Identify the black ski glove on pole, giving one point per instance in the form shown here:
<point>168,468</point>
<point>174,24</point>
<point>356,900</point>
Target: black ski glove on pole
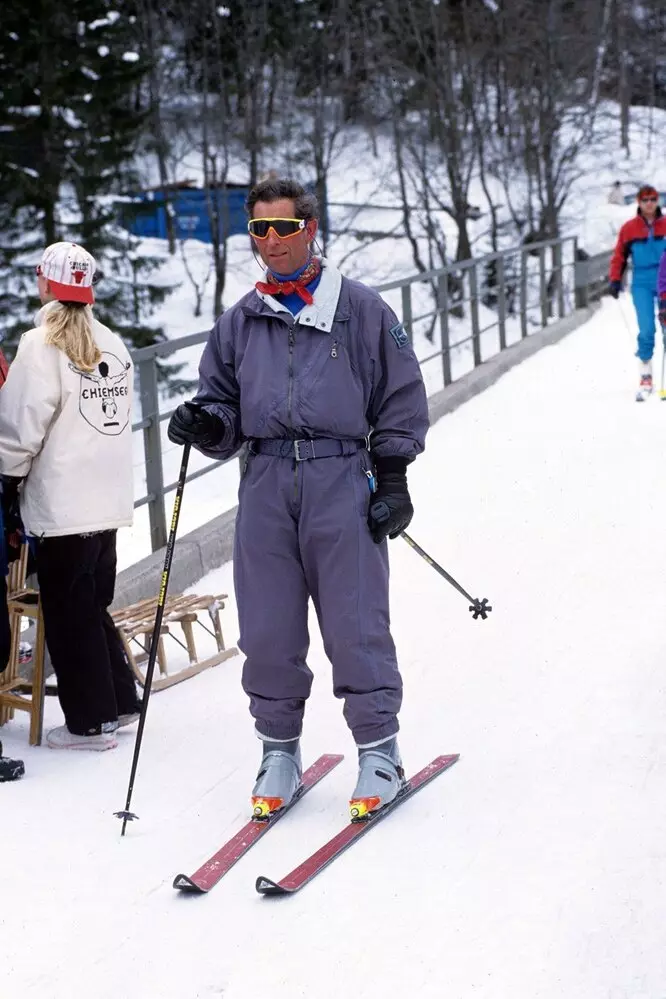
<point>191,424</point>
<point>391,509</point>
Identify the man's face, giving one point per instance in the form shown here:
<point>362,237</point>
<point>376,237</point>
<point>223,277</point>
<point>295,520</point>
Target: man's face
<point>649,204</point>
<point>283,256</point>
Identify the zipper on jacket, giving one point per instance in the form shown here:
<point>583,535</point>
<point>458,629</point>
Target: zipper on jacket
<point>292,341</point>
<point>334,349</point>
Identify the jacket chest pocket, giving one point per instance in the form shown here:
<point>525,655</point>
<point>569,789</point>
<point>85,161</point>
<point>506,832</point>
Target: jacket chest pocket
<point>331,392</point>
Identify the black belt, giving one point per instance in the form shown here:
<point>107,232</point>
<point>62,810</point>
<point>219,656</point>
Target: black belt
<point>306,448</point>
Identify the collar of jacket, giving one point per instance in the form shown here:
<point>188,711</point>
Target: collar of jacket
<point>326,305</point>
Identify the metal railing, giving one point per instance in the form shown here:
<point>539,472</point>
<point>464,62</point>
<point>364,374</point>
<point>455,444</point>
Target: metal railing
<point>491,300</point>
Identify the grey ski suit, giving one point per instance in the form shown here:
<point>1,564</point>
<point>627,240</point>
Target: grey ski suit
<point>342,370</point>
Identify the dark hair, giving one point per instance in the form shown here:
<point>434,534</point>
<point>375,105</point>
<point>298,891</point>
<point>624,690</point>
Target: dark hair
<point>305,204</point>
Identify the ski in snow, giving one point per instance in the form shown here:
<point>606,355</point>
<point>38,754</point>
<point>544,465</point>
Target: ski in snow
<point>217,866</point>
<point>309,869</point>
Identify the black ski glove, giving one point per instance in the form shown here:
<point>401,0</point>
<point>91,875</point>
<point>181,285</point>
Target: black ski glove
<point>614,288</point>
<point>191,424</point>
<point>11,516</point>
<point>391,508</point>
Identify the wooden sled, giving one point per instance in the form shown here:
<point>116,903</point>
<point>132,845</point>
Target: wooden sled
<point>17,693</point>
<point>135,625</point>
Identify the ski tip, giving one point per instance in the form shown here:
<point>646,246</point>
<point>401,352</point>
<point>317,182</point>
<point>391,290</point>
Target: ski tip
<point>267,887</point>
<point>446,760</point>
<point>183,883</point>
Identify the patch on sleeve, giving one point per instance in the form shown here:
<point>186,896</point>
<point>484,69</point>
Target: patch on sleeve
<point>399,335</point>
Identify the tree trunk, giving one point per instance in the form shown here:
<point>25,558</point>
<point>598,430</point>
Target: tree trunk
<point>624,86</point>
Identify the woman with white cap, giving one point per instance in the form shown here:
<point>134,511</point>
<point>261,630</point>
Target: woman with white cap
<point>66,458</point>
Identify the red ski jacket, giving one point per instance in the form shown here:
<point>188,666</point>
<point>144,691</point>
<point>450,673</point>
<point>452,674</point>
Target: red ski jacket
<point>645,244</point>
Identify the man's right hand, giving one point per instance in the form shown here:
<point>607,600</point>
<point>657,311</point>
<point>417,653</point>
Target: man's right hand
<point>191,424</point>
<point>614,288</point>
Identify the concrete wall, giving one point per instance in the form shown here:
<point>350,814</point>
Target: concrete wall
<point>211,545</point>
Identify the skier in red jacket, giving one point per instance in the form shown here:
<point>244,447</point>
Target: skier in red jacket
<point>643,238</point>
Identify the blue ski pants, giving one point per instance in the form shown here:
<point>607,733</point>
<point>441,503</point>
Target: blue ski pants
<point>644,298</point>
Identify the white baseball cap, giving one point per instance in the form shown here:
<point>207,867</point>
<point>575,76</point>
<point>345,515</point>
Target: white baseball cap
<point>69,269</point>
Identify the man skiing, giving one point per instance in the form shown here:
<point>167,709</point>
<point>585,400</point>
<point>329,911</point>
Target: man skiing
<point>644,238</point>
<point>317,374</point>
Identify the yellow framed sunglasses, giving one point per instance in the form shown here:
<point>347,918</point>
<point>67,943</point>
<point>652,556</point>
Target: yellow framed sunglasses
<point>284,228</point>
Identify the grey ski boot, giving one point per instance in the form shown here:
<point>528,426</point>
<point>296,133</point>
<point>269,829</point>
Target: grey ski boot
<point>380,779</point>
<point>279,777</point>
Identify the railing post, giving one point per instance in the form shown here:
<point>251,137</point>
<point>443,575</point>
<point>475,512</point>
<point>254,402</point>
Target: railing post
<point>406,293</point>
<point>152,449</point>
<point>523,293</point>
<point>443,297</point>
<point>580,281</point>
<point>474,312</point>
<point>543,291</point>
<point>501,301</point>
<point>559,283</point>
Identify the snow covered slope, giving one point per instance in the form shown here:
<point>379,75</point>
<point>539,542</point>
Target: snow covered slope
<point>534,869</point>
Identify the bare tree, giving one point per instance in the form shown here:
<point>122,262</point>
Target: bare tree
<point>153,36</point>
<point>624,81</point>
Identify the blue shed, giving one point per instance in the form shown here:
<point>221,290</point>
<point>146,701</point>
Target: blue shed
<point>145,214</point>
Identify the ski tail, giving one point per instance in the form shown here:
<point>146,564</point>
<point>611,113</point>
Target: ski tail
<point>214,869</point>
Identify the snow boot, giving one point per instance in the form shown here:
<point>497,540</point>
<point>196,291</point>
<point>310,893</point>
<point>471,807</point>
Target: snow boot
<point>62,738</point>
<point>645,385</point>
<point>381,778</point>
<point>10,769</point>
<point>279,777</point>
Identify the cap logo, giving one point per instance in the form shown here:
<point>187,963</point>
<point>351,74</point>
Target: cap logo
<point>79,270</point>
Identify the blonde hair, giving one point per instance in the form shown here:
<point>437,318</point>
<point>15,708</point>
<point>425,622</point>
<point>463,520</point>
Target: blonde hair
<point>69,327</point>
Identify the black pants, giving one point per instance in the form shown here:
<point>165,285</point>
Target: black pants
<point>77,575</point>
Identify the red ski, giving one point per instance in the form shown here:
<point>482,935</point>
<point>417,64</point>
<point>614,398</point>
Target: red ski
<point>217,866</point>
<point>309,869</point>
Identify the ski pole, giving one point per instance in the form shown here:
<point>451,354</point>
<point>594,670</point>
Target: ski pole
<point>626,321</point>
<point>126,815</point>
<point>479,608</point>
<point>662,391</point>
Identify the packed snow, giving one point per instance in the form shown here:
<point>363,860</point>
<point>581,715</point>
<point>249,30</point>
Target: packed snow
<point>534,869</point>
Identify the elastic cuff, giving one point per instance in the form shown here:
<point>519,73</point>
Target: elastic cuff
<point>376,734</point>
<point>272,738</point>
<point>391,463</point>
